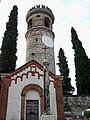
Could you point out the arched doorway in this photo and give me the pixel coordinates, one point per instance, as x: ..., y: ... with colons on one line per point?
x: 31, y: 100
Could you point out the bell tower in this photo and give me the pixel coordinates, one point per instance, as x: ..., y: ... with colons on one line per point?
x: 40, y: 21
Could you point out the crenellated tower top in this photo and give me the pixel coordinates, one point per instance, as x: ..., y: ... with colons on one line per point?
x: 40, y: 9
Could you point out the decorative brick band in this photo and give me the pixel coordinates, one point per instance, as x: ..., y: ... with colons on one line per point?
x: 26, y: 74
x: 23, y: 93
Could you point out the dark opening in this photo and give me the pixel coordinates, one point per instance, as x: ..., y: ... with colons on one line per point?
x: 38, y: 15
x: 36, y: 39
x: 46, y: 22
x: 30, y: 24
x: 32, y: 54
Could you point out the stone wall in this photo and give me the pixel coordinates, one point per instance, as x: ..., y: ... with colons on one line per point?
x: 36, y: 46
x: 76, y: 104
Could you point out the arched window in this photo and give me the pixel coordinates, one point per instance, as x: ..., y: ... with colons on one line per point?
x: 46, y: 22
x: 30, y: 24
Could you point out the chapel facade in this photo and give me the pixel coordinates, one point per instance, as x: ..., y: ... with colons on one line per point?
x: 22, y: 93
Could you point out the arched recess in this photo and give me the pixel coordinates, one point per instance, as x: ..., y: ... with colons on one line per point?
x: 30, y: 24
x: 23, y: 93
x: 47, y: 22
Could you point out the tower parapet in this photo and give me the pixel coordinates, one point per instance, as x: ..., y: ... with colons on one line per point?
x: 40, y: 9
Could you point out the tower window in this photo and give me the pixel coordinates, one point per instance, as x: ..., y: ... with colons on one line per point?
x: 46, y: 22
x: 30, y: 24
x: 38, y: 15
x: 36, y: 39
x: 32, y: 54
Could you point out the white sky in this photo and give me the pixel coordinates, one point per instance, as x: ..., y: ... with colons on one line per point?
x: 68, y: 13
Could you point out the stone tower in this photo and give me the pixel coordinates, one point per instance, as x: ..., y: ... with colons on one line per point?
x: 40, y: 21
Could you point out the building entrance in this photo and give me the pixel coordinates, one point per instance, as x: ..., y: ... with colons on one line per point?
x: 32, y: 110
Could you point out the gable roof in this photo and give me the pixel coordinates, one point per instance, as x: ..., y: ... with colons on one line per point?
x: 23, y: 67
x: 32, y: 62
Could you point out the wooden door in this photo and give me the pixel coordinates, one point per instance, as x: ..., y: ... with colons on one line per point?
x: 32, y: 110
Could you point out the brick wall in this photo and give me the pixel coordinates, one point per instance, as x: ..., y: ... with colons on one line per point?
x: 3, y: 98
x: 59, y: 99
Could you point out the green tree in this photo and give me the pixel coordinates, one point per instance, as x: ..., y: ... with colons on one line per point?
x: 87, y: 114
x: 0, y: 82
x: 8, y: 49
x: 82, y: 65
x: 64, y: 71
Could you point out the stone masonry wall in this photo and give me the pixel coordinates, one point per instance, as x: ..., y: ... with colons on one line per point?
x: 77, y: 104
x: 35, y: 45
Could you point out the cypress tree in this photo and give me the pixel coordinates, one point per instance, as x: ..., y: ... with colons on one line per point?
x: 64, y: 71
x: 8, y: 49
x: 0, y: 82
x: 82, y: 65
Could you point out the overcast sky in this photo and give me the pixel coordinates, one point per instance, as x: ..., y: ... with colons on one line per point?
x: 68, y: 13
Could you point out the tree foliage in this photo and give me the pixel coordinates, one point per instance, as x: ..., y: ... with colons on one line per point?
x: 87, y: 114
x: 64, y: 71
x: 0, y: 82
x: 8, y: 49
x: 82, y: 65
